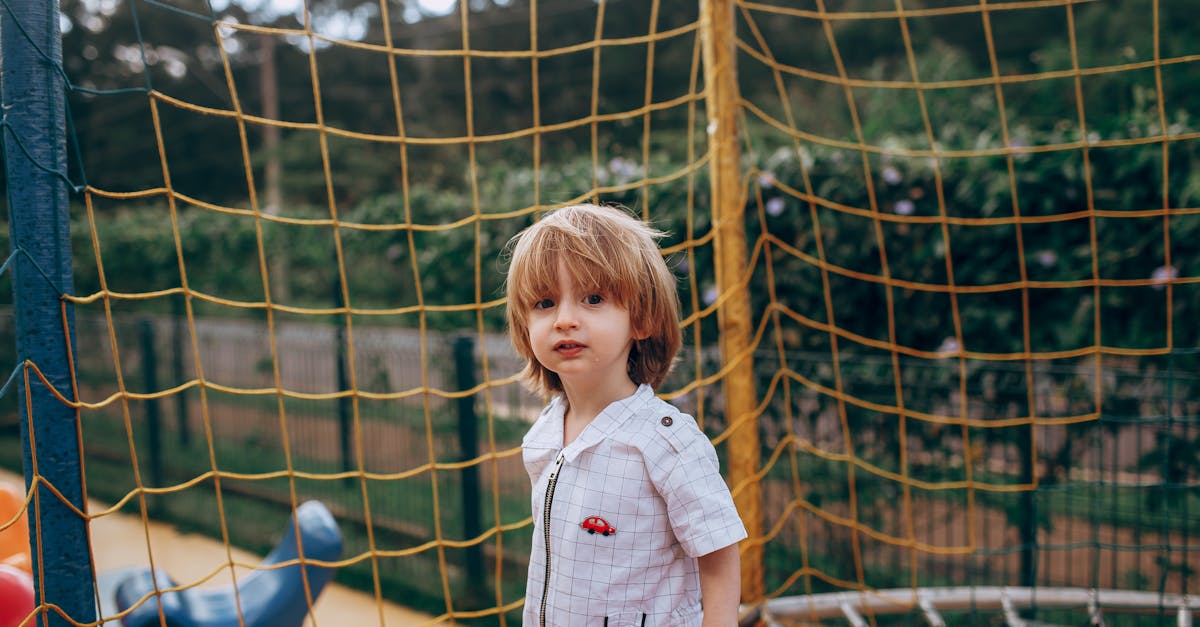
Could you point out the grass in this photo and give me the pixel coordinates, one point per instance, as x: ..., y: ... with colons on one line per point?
x: 1153, y: 507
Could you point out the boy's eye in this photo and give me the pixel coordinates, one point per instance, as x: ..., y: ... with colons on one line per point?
x: 545, y: 303
x: 594, y: 299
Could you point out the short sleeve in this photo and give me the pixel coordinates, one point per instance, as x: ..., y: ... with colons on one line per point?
x: 699, y: 505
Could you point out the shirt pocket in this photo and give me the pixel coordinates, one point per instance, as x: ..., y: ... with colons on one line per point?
x: 625, y: 619
x: 687, y: 616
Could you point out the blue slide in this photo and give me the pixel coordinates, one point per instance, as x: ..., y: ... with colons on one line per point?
x: 268, y: 597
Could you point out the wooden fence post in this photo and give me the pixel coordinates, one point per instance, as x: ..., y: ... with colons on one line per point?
x: 153, y: 415
x: 729, y: 244
x: 468, y: 444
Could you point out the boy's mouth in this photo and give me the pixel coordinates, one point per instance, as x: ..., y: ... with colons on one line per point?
x: 568, y: 345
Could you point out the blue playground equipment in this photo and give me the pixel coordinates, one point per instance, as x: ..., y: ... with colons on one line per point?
x: 267, y: 597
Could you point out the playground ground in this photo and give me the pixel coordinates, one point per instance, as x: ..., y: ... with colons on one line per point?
x: 121, y: 541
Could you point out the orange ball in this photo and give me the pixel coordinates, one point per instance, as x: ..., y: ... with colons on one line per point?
x: 14, y: 539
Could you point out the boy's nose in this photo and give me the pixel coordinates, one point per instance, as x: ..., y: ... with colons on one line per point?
x: 566, y: 318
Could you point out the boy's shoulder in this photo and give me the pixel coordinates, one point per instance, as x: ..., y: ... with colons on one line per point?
x: 661, y: 422
x: 546, y: 430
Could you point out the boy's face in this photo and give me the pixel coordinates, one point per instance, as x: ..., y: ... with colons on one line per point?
x: 584, y: 338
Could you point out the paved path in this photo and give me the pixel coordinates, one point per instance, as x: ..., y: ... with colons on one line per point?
x: 122, y: 541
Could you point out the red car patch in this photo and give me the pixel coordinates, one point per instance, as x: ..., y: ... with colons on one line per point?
x: 596, y: 524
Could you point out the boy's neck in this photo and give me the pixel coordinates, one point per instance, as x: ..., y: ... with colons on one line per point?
x: 585, y: 402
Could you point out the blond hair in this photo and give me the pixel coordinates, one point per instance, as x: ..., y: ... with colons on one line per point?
x: 607, y: 251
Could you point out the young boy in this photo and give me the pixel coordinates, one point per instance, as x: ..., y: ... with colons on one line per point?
x: 633, y: 524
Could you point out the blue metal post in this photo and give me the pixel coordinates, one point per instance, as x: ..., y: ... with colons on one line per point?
x: 34, y: 140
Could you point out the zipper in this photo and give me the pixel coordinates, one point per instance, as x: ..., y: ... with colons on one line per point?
x: 546, y: 530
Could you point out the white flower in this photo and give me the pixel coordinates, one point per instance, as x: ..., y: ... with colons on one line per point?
x: 891, y: 175
x: 806, y: 158
x: 905, y: 207
x: 1163, y: 275
x: 776, y: 205
x: 949, y: 346
x: 780, y: 157
x: 1047, y: 258
x: 711, y: 293
x: 766, y: 180
x: 624, y: 170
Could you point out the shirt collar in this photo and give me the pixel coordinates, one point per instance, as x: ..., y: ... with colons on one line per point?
x: 548, y: 431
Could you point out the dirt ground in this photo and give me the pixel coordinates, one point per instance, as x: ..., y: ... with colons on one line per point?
x: 120, y: 541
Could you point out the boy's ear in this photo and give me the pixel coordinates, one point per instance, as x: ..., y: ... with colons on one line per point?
x: 639, y: 334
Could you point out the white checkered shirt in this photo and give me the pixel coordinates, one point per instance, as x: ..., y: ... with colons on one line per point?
x: 650, y: 476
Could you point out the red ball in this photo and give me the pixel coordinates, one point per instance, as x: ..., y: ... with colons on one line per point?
x: 16, y: 596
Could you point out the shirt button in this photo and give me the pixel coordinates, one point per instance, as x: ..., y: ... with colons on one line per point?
x: 667, y: 421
